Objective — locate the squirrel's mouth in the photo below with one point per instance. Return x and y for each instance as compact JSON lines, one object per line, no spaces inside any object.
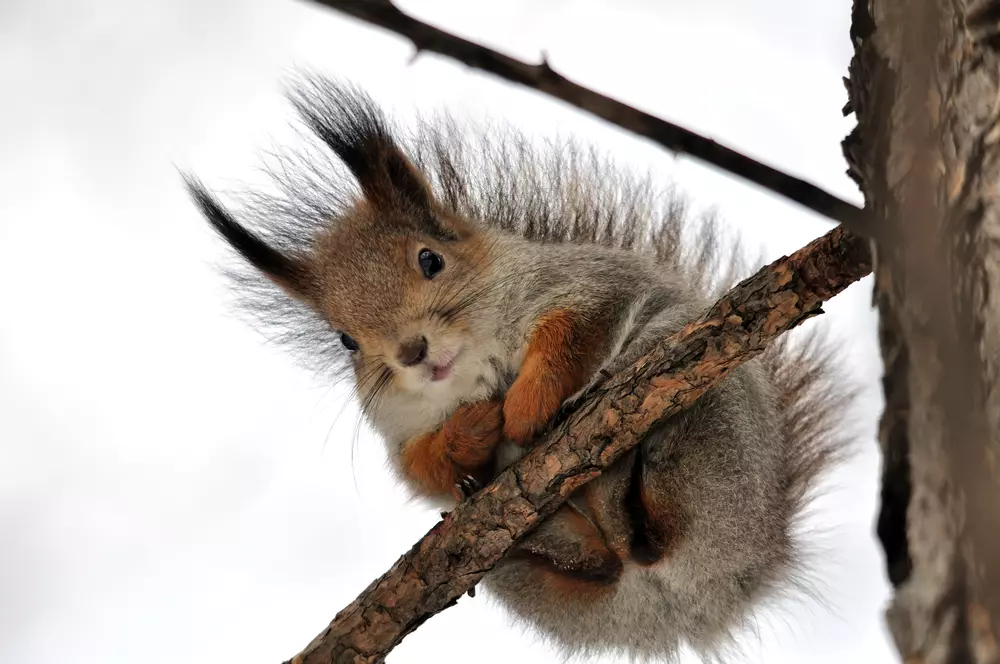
{"x":442,"y":368}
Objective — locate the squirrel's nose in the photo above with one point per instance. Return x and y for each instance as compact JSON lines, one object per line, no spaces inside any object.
{"x":413,"y":351}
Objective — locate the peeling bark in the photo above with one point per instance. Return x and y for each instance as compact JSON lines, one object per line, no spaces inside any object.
{"x":925,"y":86}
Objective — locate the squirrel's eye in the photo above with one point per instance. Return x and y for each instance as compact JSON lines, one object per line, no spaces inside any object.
{"x":349,"y":343}
{"x":430,"y":263}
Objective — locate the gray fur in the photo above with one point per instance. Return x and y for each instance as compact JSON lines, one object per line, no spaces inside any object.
{"x":564,"y":228}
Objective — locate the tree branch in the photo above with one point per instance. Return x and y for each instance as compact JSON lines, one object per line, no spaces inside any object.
{"x":454,"y":555}
{"x":543,"y":78}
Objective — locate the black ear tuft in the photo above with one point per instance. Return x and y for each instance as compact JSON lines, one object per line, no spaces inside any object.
{"x":288,"y":272}
{"x":354,"y":127}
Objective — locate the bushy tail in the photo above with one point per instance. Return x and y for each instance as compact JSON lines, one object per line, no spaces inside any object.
{"x":814,"y":393}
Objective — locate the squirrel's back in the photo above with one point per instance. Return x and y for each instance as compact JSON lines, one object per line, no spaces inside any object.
{"x":731,"y":476}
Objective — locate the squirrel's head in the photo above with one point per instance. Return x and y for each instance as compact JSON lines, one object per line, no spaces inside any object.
{"x":395,"y":274}
{"x":399,"y":285}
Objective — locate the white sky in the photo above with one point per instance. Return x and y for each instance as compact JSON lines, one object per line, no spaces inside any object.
{"x":171,"y":490}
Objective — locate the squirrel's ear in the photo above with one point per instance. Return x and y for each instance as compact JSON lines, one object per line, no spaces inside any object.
{"x":388,"y":179}
{"x":291,"y":273}
{"x":354,"y":127}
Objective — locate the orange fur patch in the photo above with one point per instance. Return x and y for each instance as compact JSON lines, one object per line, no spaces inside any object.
{"x":425,"y":461}
{"x":590,"y":538}
{"x":473,"y":432}
{"x":561,"y":355}
{"x":563,"y":586}
{"x":663,"y":525}
{"x":464,"y":445}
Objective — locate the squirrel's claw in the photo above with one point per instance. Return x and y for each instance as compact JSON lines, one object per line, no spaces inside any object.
{"x":466,"y":487}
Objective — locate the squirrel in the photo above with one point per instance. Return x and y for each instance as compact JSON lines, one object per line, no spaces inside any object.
{"x":472,"y":284}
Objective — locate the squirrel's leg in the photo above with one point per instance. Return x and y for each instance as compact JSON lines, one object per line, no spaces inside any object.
{"x":443,"y":461}
{"x":577,"y":553}
{"x":625,"y":514}
{"x":636,"y":505}
{"x":564,"y":349}
{"x":567,"y":556}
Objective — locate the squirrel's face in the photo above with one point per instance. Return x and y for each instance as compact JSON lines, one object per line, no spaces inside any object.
{"x":409,"y":306}
{"x":406,"y":285}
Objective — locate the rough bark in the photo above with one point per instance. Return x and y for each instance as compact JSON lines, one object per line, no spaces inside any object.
{"x":543,"y":78}
{"x":459,"y":550}
{"x":925,"y":87}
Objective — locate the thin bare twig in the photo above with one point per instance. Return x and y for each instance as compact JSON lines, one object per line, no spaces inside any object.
{"x":459,"y":550}
{"x":543,"y":78}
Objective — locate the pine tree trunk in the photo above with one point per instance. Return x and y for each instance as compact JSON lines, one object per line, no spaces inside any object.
{"x":925,"y":87}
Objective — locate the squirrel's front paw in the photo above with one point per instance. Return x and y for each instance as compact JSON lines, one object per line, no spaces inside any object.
{"x":465,"y":488}
{"x":463,"y":446}
{"x":473,"y":432}
{"x":529,"y":407}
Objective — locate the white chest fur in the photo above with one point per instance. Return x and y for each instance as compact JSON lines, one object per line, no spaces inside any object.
{"x":401,"y":416}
